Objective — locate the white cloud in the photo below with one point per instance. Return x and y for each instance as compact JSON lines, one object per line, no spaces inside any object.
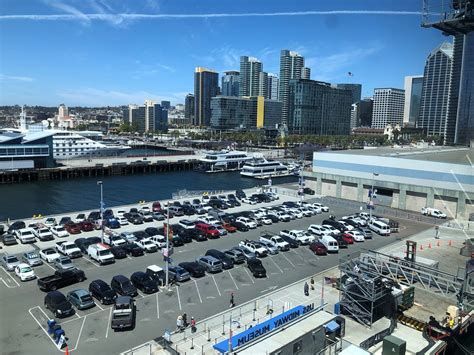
{"x":99,"y":97}
{"x":336,"y":66}
{"x":73,"y":14}
{"x":4,"y":77}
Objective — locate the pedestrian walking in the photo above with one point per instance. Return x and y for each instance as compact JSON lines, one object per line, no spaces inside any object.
{"x":312,"y":283}
{"x":193,"y":325}
{"x":437,"y":232}
{"x":306,"y":289}
{"x":185,"y":320}
{"x":232,"y":303}
{"x":179,"y":324}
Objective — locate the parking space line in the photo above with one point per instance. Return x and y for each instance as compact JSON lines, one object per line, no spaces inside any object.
{"x":6,"y":283}
{"x":92,"y":262}
{"x":47,"y":264}
{"x":80,"y":332}
{"x":197,"y":288}
{"x":97,"y":304}
{"x":141,"y":294}
{"x":216,"y":285}
{"x":288,"y":259}
{"x":44,"y":330}
{"x":77,"y":315}
{"x":157,"y":307}
{"x":11,"y":277}
{"x":276,"y":265}
{"x":108,"y":324}
{"x":179,"y":299}
{"x":250,"y":277}
{"x":237,"y":287}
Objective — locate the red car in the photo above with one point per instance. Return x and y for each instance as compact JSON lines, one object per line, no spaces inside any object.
{"x":209,"y":231}
{"x":348,"y":238}
{"x":156,"y":207}
{"x":229,"y":228}
{"x":73,"y":228}
{"x":318,"y":248}
{"x":87,"y":226}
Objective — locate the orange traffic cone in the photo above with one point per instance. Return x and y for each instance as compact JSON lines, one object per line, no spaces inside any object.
{"x":429,"y":246}
{"x":67,"y":350}
{"x":421,"y":247}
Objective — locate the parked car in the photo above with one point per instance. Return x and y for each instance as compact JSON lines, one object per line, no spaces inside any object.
{"x":123,"y":286}
{"x":245,"y":252}
{"x":208,"y":230}
{"x":59,"y":231}
{"x":57,"y":303}
{"x":24,"y":272}
{"x":118,"y":252}
{"x":102,"y":291}
{"x":9,"y":262}
{"x":133,"y":249}
{"x":63,"y":263}
{"x":94,"y":216}
{"x":256,"y":268}
{"x":87,"y":226}
{"x":50,"y":221}
{"x":236,"y":256}
{"x":143,"y":282}
{"x":194,"y":269}
{"x":81,"y":299}
{"x":8,"y":239}
{"x":318,"y":248}
{"x":178,"y":273}
{"x":292,"y":242}
{"x":340,"y":241}
{"x":81,"y":217}
{"x":32,"y":258}
{"x":123,"y":314}
{"x":112,"y":223}
{"x":227,"y":263}
{"x":210,"y":263}
{"x":134,"y":218}
{"x":49,"y":255}
{"x":158,"y":275}
{"x":147,"y":245}
{"x":72,"y":228}
{"x":196,"y":234}
{"x":240,"y":226}
{"x":61,"y":278}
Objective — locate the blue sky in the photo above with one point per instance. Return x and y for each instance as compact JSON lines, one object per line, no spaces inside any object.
{"x":113,"y":52}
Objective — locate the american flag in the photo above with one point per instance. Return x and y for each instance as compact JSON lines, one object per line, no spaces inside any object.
{"x":350,"y":73}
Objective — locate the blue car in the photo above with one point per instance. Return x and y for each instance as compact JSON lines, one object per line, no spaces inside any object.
{"x":112,"y":223}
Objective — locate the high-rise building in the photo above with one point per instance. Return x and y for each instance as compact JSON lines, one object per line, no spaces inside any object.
{"x":388,"y":107}
{"x":364,"y":112}
{"x":230,"y":112}
{"x":62,"y":112}
{"x":250,"y":69}
{"x":160,"y":118}
{"x":460,"y":120}
{"x":305,"y":73}
{"x":291,"y":64}
{"x":166,"y":105}
{"x":318,"y":108}
{"x":354,"y":116}
{"x":189,"y":108}
{"x":411,"y":112}
{"x":149,"y":115}
{"x":230,"y":83}
{"x":355,"y":89}
{"x":273,"y":87}
{"x":206,"y":86}
{"x":435,"y":90}
{"x":263,"y":85}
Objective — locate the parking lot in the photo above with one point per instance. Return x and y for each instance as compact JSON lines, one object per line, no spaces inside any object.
{"x":24,"y":316}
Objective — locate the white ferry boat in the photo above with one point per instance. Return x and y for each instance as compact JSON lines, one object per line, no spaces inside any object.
{"x":224,"y":160}
{"x":261,"y":168}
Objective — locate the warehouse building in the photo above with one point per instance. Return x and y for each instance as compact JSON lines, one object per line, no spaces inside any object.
{"x":407,"y":178}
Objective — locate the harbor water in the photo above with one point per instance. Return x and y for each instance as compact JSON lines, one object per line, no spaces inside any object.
{"x":63,"y":196}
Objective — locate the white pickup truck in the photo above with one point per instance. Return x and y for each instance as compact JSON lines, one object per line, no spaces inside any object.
{"x":259,"y":250}
{"x":25,"y":235}
{"x":69,"y":249}
{"x":298,"y":235}
{"x":427,"y":211}
{"x":276,"y":241}
{"x":113,"y":239}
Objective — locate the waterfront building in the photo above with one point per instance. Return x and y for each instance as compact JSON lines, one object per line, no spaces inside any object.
{"x":355,"y":89}
{"x":160,"y":118}
{"x":306,"y":73}
{"x":230,"y":112}
{"x":411,"y":111}
{"x":189,"y":108}
{"x":435,"y":90}
{"x":291,"y":64}
{"x":273,"y":87}
{"x":206,"y":86}
{"x":388,"y":107}
{"x":250,"y":69}
{"x":318,"y":108}
{"x":230,"y":83}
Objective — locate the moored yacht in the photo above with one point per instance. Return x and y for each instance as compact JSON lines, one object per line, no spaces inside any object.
{"x":224,"y":160}
{"x":261,"y":168}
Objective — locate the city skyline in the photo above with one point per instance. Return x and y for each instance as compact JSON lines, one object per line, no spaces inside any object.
{"x":85,"y":60}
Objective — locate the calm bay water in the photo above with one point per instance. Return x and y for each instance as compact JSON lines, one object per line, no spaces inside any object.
{"x":52,"y":197}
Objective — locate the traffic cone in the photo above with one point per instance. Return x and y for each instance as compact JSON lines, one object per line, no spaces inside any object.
{"x":421,"y":246}
{"x":429,"y":246}
{"x":67,"y":350}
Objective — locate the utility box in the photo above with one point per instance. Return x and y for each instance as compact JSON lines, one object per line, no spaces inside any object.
{"x":393,"y":346}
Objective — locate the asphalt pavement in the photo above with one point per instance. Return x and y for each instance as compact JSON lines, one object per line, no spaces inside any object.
{"x":24,"y":317}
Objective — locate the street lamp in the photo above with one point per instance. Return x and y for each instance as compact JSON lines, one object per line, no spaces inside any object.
{"x":371,"y":196}
{"x":101,"y":210}
{"x":167,"y":245}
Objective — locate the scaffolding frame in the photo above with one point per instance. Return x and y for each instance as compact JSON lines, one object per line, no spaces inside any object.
{"x":452,"y":17}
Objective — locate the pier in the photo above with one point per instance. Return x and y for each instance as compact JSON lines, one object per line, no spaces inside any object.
{"x":83,"y":168}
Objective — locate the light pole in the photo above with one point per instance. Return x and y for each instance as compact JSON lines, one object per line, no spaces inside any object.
{"x":167,"y":245}
{"x":101,"y":210}
{"x":371,"y":196}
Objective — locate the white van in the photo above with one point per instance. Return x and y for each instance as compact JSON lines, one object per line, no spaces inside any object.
{"x":101,"y":253}
{"x":159,"y":240}
{"x":380,"y":228}
{"x":330,"y":243}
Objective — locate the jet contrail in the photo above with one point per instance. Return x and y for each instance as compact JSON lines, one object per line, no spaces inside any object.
{"x":125,"y":16}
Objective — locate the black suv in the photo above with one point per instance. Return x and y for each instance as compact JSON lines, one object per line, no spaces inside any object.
{"x":102,"y":291}
{"x":94,"y":216}
{"x":122,"y":285}
{"x":58,"y":304}
{"x":144,"y":282}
